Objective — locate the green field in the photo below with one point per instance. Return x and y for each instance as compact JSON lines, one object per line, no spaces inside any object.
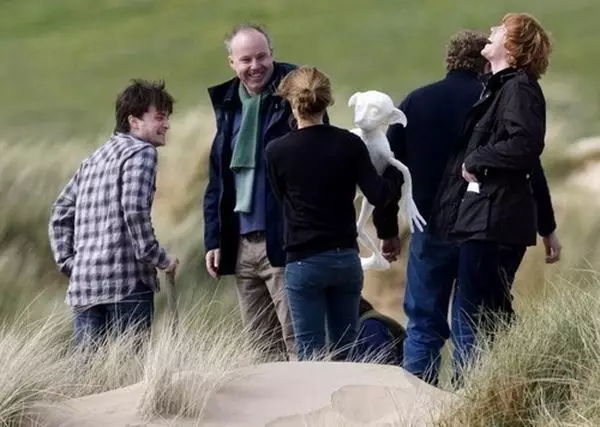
{"x":64,"y":61}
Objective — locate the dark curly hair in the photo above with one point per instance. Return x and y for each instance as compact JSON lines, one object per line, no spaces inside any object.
{"x":463,"y":51}
{"x":137,"y":98}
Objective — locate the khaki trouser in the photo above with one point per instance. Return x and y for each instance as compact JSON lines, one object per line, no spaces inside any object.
{"x":263,"y":302}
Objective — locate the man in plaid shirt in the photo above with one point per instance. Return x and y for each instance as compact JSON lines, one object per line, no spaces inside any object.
{"x":100,"y":229}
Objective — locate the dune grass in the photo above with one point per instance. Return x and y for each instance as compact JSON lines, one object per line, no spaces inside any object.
{"x":189,"y":361}
{"x":541,"y":371}
{"x":30,"y":354}
{"x":178,"y":371}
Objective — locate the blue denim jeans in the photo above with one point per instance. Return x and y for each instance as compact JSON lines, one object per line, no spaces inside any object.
{"x":92,"y":325}
{"x":323,"y":293}
{"x":433,"y":267}
{"x":431,"y":271}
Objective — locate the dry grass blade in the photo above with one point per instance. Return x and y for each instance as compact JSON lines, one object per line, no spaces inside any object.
{"x":172,"y":300}
{"x":184,"y":368}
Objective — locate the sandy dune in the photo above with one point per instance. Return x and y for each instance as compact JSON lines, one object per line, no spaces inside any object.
{"x":279,"y":395}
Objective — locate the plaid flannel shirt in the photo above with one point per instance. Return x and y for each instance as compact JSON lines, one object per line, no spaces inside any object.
{"x":100,"y":229}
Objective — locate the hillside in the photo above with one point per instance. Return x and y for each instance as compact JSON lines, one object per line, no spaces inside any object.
{"x":63,"y":63}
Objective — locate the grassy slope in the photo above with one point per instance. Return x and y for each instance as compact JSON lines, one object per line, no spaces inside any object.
{"x":63,"y":62}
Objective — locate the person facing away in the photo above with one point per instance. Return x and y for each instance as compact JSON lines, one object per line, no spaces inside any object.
{"x":101,"y":232}
{"x":243,"y":226}
{"x":314,"y":171}
{"x":485,"y":202}
{"x":436,"y":114}
{"x":380,"y":338}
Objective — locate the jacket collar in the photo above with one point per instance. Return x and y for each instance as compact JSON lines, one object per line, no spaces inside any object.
{"x":495,"y":81}
{"x":129,"y":136}
{"x":226,"y":93}
{"x":462,"y":73}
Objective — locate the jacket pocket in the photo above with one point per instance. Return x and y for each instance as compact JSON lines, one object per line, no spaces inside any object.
{"x":473,"y":213}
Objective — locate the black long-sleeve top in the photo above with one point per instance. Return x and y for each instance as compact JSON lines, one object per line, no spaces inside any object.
{"x":314,"y":172}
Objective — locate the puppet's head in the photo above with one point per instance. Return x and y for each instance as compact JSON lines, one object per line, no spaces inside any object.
{"x":373,"y":109}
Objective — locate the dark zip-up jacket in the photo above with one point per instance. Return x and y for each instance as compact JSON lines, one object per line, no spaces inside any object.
{"x":221,"y":223}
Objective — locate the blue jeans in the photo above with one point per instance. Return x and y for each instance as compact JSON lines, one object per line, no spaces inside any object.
{"x":92,"y":325}
{"x":431,"y":271}
{"x":433,"y":267}
{"x":323,"y":293}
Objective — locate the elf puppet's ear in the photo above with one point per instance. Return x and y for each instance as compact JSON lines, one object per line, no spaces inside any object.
{"x":353,"y":99}
{"x":398,"y":117}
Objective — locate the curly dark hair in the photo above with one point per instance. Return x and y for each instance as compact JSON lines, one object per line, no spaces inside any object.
{"x":463,"y":51}
{"x":137,"y":98}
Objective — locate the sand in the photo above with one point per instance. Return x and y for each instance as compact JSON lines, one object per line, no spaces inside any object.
{"x":278,"y":395}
